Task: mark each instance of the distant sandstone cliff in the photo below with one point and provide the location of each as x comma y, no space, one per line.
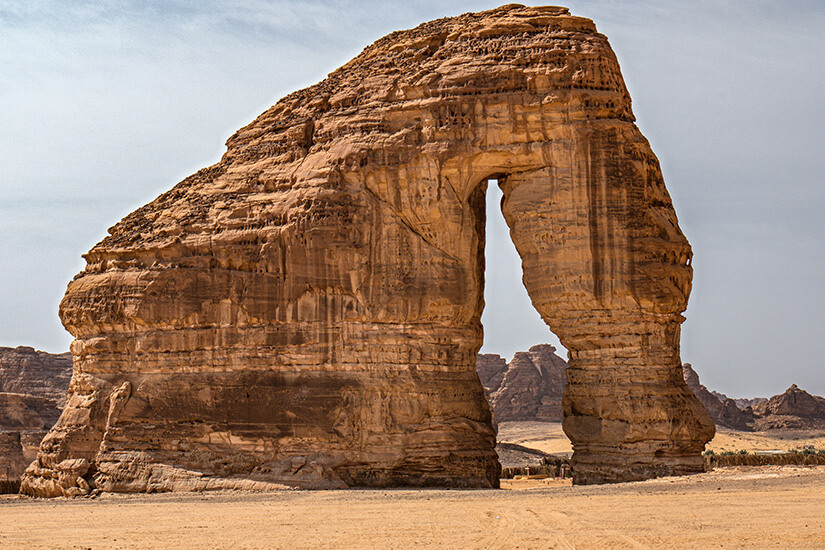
795,409
33,386
530,387
723,411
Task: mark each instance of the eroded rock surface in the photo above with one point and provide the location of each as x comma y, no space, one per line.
33,388
793,409
530,387
307,310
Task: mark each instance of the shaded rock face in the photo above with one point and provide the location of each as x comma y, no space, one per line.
307,310
491,369
724,410
530,387
27,371
12,461
33,388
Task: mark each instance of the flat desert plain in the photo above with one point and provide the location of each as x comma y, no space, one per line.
549,437
780,507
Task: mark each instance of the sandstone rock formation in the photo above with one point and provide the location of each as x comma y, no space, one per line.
793,409
491,368
723,411
33,388
12,461
530,387
307,310
25,370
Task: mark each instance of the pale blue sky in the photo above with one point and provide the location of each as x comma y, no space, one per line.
107,104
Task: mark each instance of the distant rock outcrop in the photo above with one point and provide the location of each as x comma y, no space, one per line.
33,386
530,387
491,368
12,461
28,371
723,411
794,409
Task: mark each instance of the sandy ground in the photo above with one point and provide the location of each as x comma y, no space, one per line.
780,507
544,436
549,437
730,440
768,507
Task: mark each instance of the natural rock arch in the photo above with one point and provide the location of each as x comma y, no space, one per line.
307,311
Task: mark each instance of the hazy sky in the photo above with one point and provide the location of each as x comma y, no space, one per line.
104,105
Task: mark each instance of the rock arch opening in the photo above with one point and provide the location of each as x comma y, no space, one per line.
521,364
510,321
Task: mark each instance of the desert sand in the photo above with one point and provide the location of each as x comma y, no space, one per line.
549,437
768,507
740,507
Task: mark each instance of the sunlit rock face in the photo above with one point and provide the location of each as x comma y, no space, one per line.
307,311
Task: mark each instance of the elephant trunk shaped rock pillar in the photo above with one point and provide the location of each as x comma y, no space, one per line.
626,412
609,270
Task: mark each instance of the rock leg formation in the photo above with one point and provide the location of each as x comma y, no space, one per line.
306,311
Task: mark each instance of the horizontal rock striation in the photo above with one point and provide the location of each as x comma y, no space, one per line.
307,310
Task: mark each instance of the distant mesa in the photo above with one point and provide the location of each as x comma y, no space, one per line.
33,386
795,409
